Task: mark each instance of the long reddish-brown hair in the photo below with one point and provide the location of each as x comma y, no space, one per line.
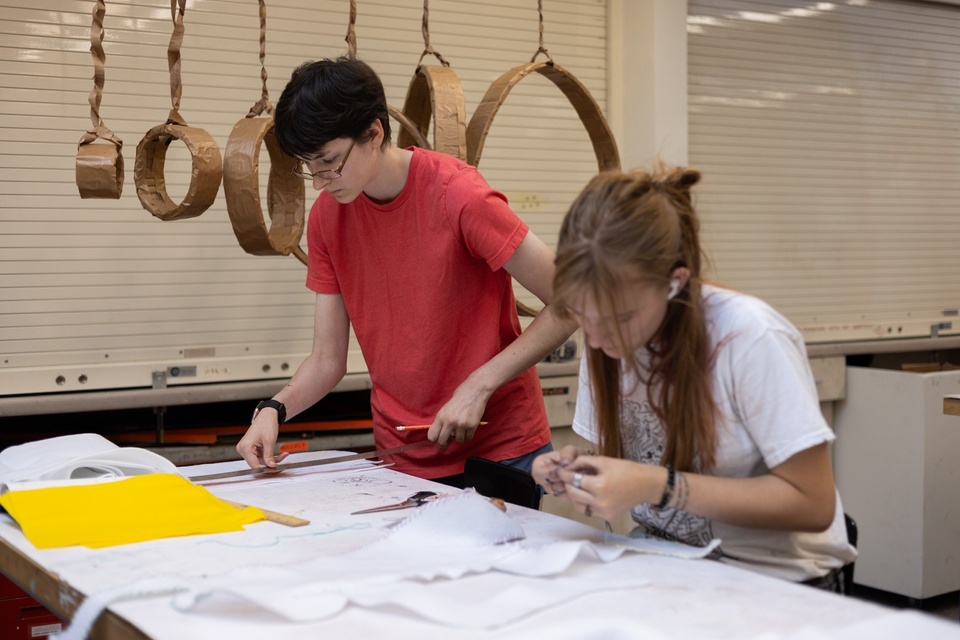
630,227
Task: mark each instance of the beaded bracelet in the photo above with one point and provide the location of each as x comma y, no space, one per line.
683,492
668,488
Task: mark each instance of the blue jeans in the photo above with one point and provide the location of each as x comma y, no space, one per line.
525,463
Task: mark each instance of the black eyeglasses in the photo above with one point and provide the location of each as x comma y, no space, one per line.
325,174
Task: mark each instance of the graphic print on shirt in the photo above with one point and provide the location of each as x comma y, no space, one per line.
644,441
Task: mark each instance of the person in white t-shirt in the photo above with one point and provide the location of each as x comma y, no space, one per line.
700,398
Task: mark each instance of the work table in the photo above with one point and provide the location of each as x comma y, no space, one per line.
644,595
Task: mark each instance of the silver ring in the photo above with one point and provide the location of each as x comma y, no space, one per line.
577,479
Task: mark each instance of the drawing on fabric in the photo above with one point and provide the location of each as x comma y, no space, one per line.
361,481
277,540
261,544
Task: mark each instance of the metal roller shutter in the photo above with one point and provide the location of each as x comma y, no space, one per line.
827,134
97,294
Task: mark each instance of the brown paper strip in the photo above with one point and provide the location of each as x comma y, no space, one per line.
241,178
206,170
541,49
351,37
99,167
425,30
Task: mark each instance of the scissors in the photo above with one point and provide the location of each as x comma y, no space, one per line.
416,500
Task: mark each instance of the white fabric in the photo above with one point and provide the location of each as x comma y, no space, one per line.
896,624
448,538
451,539
457,561
765,391
91,608
76,457
675,598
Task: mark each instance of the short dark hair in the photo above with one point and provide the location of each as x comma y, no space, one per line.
326,100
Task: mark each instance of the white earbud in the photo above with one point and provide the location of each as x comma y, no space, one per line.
674,288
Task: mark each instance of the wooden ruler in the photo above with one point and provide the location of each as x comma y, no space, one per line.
273,516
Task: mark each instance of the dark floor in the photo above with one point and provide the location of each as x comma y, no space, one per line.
946,605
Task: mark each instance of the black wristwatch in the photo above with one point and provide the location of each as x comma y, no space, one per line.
273,404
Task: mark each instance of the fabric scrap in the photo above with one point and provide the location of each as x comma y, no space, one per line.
137,509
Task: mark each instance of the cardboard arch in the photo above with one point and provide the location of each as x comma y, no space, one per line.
604,145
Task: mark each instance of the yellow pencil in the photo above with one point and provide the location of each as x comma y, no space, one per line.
418,427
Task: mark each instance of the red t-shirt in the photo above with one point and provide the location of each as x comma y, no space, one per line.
422,279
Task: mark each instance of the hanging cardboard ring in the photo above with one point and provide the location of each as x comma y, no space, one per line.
604,145
437,92
99,169
205,175
241,186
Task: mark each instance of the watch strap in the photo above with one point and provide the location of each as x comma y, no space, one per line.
273,404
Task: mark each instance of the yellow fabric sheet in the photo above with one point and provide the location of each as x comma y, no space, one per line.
148,507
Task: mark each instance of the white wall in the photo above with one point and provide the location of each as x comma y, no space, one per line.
647,79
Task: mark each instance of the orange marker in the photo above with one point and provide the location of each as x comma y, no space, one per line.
419,427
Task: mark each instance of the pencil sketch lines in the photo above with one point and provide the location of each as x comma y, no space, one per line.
361,481
278,539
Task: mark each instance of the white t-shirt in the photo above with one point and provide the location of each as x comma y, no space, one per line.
767,399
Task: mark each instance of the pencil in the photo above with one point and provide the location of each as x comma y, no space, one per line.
418,427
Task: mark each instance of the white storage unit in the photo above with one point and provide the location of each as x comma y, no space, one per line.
897,462
559,395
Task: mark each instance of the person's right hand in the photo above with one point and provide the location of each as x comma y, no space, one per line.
257,444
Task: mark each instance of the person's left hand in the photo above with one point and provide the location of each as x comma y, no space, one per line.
547,466
460,417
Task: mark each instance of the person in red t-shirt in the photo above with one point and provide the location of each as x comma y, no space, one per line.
416,251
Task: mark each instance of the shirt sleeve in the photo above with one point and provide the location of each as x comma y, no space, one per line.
775,397
584,416
488,227
321,277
